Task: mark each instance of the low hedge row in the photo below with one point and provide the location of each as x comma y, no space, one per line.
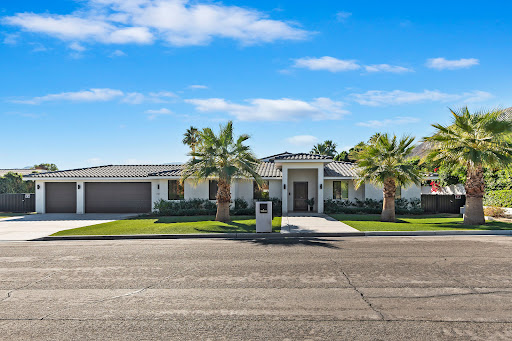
370,206
195,207
501,198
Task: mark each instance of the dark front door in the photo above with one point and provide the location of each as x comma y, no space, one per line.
300,195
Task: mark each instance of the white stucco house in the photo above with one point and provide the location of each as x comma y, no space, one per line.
293,178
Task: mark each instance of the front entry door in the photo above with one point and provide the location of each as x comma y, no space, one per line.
300,195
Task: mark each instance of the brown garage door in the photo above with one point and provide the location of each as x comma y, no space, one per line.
60,197
117,197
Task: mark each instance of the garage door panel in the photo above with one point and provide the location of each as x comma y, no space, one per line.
60,197
117,197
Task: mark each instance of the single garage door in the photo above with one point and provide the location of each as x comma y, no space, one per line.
60,197
117,197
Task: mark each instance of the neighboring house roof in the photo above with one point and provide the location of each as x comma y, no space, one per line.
507,114
303,156
110,171
22,171
272,157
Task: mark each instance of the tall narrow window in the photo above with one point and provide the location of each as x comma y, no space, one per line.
176,191
261,193
213,189
340,189
398,192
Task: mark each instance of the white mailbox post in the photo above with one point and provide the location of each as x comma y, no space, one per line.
263,216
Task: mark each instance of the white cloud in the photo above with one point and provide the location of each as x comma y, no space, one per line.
92,95
388,122
444,64
342,16
283,109
77,47
177,22
97,95
302,140
197,86
117,53
386,68
154,113
397,97
326,63
11,38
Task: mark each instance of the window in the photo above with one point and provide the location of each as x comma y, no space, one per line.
398,192
340,189
176,191
213,189
260,193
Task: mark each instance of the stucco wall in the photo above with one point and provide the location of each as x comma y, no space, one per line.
411,192
195,190
244,190
372,192
274,188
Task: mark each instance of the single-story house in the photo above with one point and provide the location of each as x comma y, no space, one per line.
293,178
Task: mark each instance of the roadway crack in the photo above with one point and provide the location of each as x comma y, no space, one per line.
9,293
363,297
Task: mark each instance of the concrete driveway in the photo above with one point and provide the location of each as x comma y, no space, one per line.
313,223
40,225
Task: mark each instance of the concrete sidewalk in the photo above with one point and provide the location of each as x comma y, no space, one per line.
313,223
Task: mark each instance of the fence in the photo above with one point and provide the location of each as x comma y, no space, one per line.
18,203
442,203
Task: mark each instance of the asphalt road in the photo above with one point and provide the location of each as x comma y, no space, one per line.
430,288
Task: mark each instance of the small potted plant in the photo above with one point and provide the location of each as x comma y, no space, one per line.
311,204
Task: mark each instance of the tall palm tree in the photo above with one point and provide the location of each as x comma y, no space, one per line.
191,138
223,157
325,148
385,161
473,141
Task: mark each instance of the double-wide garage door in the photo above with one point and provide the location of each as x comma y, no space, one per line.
100,197
117,197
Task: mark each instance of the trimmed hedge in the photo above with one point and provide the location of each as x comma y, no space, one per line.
370,206
501,198
195,207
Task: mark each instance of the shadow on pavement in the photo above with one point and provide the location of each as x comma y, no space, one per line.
293,241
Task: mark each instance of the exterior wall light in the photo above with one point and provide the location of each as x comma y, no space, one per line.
38,186
320,186
284,186
78,186
157,186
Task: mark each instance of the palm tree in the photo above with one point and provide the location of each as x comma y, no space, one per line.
223,157
473,141
325,148
385,161
191,138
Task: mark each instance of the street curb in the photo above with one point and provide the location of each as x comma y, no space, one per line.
282,235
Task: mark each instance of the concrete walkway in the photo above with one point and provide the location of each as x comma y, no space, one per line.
313,223
34,226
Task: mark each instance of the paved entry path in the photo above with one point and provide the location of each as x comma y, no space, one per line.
314,223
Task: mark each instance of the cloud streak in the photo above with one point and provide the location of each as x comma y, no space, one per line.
388,122
397,97
445,64
284,109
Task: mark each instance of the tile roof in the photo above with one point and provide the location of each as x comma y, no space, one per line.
507,114
304,156
265,169
110,171
340,169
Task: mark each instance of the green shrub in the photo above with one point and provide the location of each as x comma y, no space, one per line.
370,206
241,203
501,198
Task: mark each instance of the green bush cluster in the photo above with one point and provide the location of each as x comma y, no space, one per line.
370,206
501,198
194,207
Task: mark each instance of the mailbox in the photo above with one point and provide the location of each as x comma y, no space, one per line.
264,216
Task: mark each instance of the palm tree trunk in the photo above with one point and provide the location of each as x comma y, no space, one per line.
475,190
388,206
223,201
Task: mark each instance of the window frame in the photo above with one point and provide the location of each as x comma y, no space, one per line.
210,183
179,186
341,182
258,193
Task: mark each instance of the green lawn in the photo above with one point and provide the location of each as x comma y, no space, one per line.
171,225
370,222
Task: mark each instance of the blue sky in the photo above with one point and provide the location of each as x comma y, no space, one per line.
112,82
